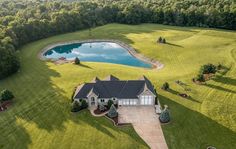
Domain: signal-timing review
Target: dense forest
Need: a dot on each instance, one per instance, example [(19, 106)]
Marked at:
[(23, 21)]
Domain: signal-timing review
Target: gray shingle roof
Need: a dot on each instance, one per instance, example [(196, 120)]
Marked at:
[(115, 88)]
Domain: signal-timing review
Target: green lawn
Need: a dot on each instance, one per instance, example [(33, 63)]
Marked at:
[(40, 116)]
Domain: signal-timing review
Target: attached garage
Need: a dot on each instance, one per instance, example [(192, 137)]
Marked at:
[(129, 102), (146, 100)]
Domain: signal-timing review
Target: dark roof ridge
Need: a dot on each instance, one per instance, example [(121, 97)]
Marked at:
[(78, 88), (93, 89), (104, 87), (123, 87)]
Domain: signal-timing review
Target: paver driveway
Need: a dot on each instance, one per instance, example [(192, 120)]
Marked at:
[(146, 124)]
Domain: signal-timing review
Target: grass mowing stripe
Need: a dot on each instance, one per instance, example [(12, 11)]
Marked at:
[(41, 110)]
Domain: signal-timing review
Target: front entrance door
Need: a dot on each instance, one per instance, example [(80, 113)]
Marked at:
[(92, 101)]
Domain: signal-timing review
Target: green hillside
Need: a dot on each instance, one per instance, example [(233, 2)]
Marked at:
[(40, 116)]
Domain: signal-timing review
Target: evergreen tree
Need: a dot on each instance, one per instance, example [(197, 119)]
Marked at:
[(208, 68), (165, 116), (77, 61), (6, 95), (112, 112), (160, 40), (109, 103), (75, 106), (84, 104), (200, 77), (164, 40), (165, 86)]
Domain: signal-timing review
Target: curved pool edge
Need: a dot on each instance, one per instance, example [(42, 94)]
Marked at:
[(156, 64)]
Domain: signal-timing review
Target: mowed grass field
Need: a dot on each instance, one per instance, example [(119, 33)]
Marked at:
[(40, 116)]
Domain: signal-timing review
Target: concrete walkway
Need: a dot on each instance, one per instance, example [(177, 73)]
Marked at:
[(146, 124)]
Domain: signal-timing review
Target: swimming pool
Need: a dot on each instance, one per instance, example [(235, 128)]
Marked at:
[(108, 52)]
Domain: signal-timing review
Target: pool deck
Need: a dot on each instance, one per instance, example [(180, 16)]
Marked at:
[(156, 64)]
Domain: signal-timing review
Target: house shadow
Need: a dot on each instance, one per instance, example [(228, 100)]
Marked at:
[(103, 124), (95, 122), (198, 130)]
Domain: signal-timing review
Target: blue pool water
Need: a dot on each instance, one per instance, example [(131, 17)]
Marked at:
[(96, 52)]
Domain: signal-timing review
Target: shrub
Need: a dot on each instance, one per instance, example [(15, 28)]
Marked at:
[(84, 104), (6, 95), (109, 103), (208, 68), (112, 112), (77, 61), (219, 67), (164, 40), (160, 40), (75, 106), (165, 86), (102, 108), (165, 116), (200, 77)]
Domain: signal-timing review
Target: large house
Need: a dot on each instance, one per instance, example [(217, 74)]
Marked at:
[(122, 92)]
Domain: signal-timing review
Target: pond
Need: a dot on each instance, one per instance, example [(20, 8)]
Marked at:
[(108, 52)]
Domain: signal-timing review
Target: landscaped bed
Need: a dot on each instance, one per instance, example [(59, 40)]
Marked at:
[(114, 120), (4, 105), (98, 112)]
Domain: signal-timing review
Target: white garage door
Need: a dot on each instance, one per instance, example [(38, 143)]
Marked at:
[(128, 102), (146, 100), (125, 102), (133, 101)]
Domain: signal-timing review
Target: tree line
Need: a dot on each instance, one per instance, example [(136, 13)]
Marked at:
[(25, 21)]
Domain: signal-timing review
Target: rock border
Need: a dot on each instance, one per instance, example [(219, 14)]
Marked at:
[(156, 64)]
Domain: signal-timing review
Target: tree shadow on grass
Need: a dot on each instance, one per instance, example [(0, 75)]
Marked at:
[(219, 88), (12, 133), (177, 93), (44, 104), (225, 80), (85, 66), (172, 44), (173, 91), (191, 129), (41, 102)]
